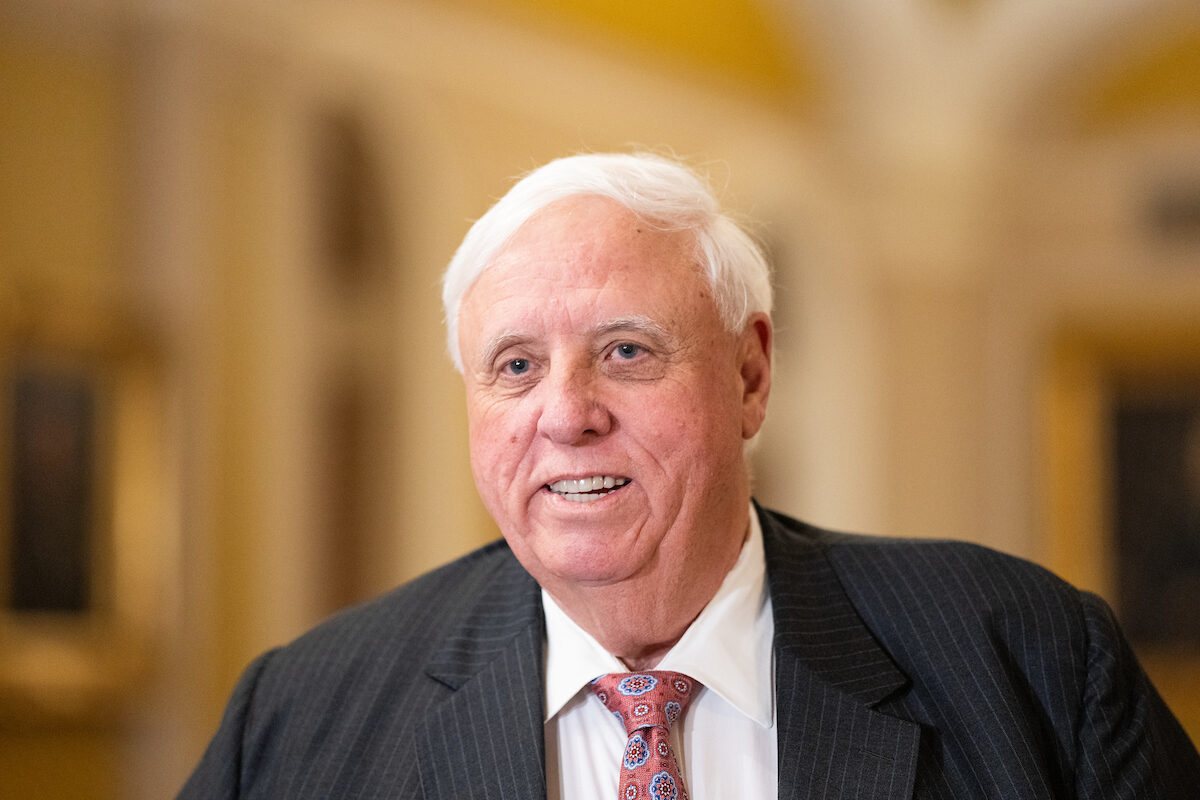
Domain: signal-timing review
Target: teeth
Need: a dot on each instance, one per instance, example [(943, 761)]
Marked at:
[(580, 489)]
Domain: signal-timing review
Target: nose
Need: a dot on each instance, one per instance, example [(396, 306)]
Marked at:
[(572, 412)]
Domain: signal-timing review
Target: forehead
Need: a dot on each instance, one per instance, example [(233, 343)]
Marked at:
[(592, 254)]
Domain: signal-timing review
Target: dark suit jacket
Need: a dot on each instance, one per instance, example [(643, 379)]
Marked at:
[(903, 669)]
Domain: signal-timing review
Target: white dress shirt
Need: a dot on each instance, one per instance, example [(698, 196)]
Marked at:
[(725, 742)]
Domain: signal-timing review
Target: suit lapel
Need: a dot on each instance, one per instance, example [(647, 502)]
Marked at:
[(486, 739), (829, 674)]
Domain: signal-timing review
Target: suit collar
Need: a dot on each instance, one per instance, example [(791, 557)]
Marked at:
[(507, 605), (830, 674), (486, 738), (815, 621)]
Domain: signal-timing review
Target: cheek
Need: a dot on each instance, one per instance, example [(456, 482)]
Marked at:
[(688, 427), (499, 441), (706, 423), (707, 396), (490, 468), (490, 441)]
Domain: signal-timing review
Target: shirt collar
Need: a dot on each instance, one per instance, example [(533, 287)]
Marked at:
[(729, 641)]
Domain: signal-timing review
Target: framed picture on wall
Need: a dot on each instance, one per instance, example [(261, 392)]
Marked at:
[(56, 486), (1156, 507), (81, 490), (1121, 479)]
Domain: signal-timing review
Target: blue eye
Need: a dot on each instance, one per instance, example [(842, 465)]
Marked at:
[(627, 350), (518, 366)]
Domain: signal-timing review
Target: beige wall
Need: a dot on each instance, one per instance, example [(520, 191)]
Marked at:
[(936, 222)]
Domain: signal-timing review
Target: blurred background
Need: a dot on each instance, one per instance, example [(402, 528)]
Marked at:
[(226, 406)]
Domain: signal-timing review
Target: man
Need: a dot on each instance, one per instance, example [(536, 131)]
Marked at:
[(613, 332)]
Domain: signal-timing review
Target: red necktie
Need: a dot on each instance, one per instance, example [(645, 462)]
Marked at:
[(647, 703)]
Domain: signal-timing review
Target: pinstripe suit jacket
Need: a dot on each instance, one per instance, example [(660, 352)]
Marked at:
[(903, 669)]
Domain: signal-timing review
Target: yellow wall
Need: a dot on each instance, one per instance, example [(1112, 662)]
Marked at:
[(63, 205), (63, 764), (742, 45), (62, 166)]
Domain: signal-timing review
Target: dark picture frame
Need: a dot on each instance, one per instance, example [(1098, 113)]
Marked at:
[(82, 497), (1120, 471), (54, 487), (1156, 509)]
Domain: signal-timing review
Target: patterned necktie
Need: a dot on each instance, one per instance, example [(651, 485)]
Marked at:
[(647, 703)]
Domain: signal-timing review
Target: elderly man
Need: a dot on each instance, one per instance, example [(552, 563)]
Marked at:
[(644, 630)]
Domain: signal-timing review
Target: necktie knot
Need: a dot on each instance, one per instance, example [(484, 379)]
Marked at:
[(645, 699)]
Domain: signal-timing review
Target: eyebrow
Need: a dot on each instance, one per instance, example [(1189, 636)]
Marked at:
[(636, 323), (498, 344), (633, 324)]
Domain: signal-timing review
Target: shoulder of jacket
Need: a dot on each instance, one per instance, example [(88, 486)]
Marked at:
[(412, 617), (939, 570)]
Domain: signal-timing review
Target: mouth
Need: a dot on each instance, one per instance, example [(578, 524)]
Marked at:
[(587, 490)]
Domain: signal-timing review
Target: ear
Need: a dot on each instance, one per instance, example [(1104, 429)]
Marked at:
[(755, 369)]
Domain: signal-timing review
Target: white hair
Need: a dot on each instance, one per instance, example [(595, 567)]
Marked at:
[(663, 192)]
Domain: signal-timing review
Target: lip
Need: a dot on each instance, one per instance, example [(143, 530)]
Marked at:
[(578, 475)]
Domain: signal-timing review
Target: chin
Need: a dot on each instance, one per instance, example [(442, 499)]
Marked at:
[(594, 551), (582, 566), (591, 574)]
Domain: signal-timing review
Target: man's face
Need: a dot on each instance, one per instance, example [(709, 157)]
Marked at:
[(607, 404)]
